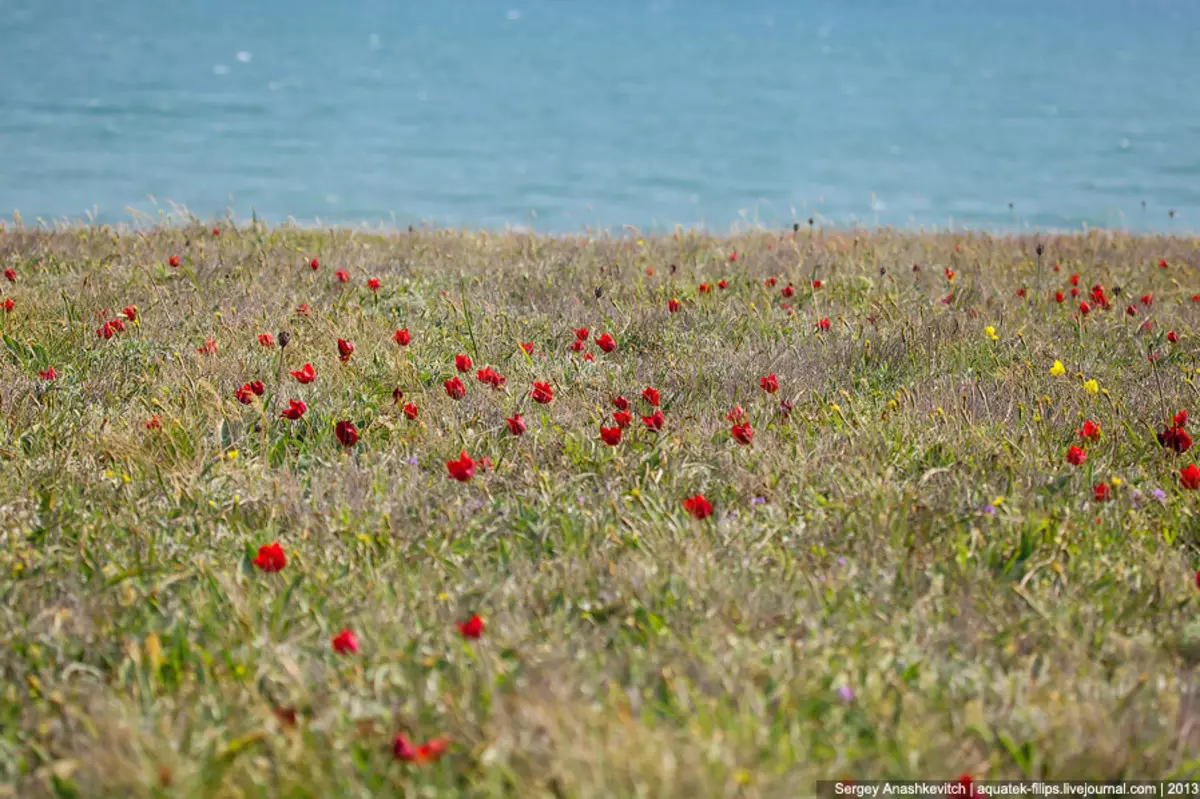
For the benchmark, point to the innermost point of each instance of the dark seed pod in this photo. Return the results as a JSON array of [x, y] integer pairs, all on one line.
[[599, 292], [284, 337], [795, 227], [1040, 249]]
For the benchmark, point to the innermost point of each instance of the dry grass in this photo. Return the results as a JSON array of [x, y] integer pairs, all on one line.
[[630, 650]]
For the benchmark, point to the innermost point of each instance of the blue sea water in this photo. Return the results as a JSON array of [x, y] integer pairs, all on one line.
[[564, 114]]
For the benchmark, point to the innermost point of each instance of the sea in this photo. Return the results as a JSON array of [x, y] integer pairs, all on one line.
[[568, 116]]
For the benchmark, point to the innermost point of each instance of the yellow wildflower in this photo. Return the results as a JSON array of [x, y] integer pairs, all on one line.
[[1058, 370], [990, 332], [1091, 387]]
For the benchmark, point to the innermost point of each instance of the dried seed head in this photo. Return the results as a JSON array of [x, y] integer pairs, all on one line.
[[599, 291], [284, 337]]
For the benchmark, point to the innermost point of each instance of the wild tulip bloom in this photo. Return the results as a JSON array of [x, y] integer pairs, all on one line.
[[432, 750], [266, 340], [622, 419], [295, 410], [673, 306], [130, 313], [606, 343], [303, 310], [650, 395], [1163, 263], [49, 374], [154, 423], [347, 434], [1189, 477], [1058, 296], [270, 558], [455, 388], [1101, 492], [698, 507], [770, 282], [105, 332], [373, 284], [1173, 337], [402, 749], [788, 291], [1074, 280], [345, 350], [1131, 311], [462, 469], [244, 395], [117, 325], [1084, 308], [736, 414], [208, 348], [742, 433], [611, 435], [770, 384], [490, 377], [1090, 430], [655, 421], [402, 337], [216, 232], [722, 284], [342, 275], [257, 387], [576, 346], [542, 393], [1076, 456], [527, 347], [817, 285], [410, 412], [305, 375], [582, 334], [823, 325], [174, 261], [704, 288], [620, 403], [516, 425], [471, 628], [9, 304], [345, 643], [733, 256], [10, 275], [1147, 300], [314, 264]]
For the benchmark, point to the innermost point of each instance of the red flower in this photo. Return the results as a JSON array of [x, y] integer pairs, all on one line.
[[484, 464], [306, 375], [1196, 298], [968, 785], [581, 334], [314, 264], [516, 425], [154, 423], [723, 284], [622, 418], [542, 393], [105, 332], [1090, 430], [650, 395], [1058, 296], [455, 388], [490, 377], [606, 343], [1173, 337], [1175, 438], [345, 349], [347, 434], [49, 374], [1074, 292], [576, 346], [432, 751], [589, 358], [1074, 280], [1131, 311], [673, 306], [527, 347], [736, 414], [342, 275], [10, 275], [373, 284], [462, 469], [462, 363], [209, 348], [1189, 478], [949, 273], [620, 403], [769, 384], [410, 412], [788, 291], [174, 261], [270, 558], [1180, 419], [611, 435], [1101, 492], [655, 421], [117, 325], [1076, 456], [303, 309], [258, 388], [742, 433], [402, 337], [244, 394], [345, 643], [472, 627], [733, 256], [817, 285], [823, 325], [295, 410], [402, 749], [704, 288], [770, 282], [1021, 292], [267, 340], [216, 232], [1147, 300], [698, 507], [131, 313], [1084, 308], [1146, 326], [1163, 263], [9, 304]]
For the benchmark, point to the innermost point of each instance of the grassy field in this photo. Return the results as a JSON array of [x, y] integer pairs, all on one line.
[[907, 572]]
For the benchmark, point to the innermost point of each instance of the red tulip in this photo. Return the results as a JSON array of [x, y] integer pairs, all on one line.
[[1147, 300], [295, 410], [1074, 292], [472, 627], [516, 425], [345, 643], [1180, 419], [1074, 280], [216, 232], [817, 285], [490, 377], [455, 388], [1101, 492], [650, 395], [769, 384], [209, 348], [620, 403], [542, 393], [462, 363], [105, 332], [606, 343], [314, 264], [154, 423], [1058, 296], [655, 421], [174, 261], [462, 469], [527, 347], [1131, 311], [1090, 430], [788, 291], [347, 434], [742, 433], [402, 337], [244, 395], [611, 435], [698, 507], [1189, 478], [576, 346], [1163, 263], [131, 313], [270, 558], [733, 256], [673, 306], [582, 334], [373, 284], [345, 349], [949, 273], [770, 282], [1173, 337], [49, 374], [622, 418], [1175, 438], [1084, 308], [704, 288], [736, 414], [432, 750], [410, 411], [9, 304], [10, 275], [117, 325], [303, 310], [723, 284], [342, 275], [403, 750], [267, 340], [1076, 456], [306, 375], [823, 325]]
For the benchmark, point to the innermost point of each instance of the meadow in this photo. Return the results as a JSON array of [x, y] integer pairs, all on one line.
[[702, 516]]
